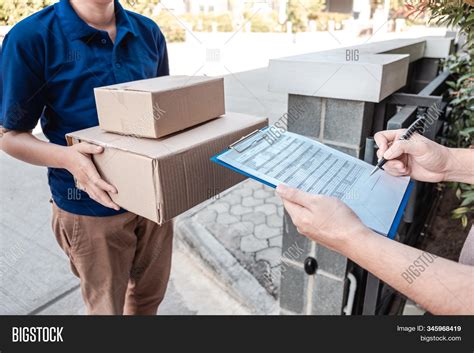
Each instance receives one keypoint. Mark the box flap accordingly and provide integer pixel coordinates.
(161, 84)
(163, 147)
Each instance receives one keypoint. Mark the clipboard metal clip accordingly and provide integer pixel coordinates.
(245, 143)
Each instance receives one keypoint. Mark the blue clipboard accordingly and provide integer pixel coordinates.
(396, 221)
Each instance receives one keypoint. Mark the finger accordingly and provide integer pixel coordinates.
(395, 164)
(381, 152)
(89, 148)
(101, 196)
(384, 138)
(294, 195)
(293, 209)
(95, 178)
(299, 215)
(394, 172)
(102, 184)
(395, 168)
(400, 147)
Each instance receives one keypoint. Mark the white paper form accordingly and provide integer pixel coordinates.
(306, 164)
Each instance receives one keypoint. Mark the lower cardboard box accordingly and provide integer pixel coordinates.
(160, 179)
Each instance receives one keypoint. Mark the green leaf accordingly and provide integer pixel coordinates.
(456, 216)
(461, 210)
(468, 130)
(468, 194)
(467, 201)
(451, 84)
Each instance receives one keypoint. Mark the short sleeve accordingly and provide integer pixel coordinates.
(23, 84)
(163, 65)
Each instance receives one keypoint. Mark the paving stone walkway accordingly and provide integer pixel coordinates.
(248, 221)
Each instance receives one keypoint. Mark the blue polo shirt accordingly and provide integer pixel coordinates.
(52, 61)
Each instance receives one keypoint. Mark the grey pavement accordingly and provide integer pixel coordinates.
(33, 270)
(238, 234)
(247, 221)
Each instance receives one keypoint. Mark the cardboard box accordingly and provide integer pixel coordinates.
(159, 179)
(159, 106)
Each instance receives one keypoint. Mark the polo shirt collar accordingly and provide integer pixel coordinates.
(75, 27)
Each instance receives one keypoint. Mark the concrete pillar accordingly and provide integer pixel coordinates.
(339, 123)
(344, 125)
(322, 293)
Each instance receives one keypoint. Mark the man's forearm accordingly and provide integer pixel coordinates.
(441, 286)
(26, 147)
(461, 165)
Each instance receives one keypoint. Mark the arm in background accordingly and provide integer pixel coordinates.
(441, 286)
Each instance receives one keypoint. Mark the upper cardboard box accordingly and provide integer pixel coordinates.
(159, 179)
(159, 106)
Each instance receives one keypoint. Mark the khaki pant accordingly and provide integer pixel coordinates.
(123, 262)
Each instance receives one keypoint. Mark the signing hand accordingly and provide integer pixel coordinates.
(79, 164)
(323, 219)
(418, 157)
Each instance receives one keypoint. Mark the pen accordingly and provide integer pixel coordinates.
(406, 136)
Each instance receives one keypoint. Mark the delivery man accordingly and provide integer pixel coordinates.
(52, 61)
(443, 286)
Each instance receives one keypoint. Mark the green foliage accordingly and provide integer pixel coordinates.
(323, 18)
(465, 193)
(297, 15)
(171, 27)
(301, 11)
(315, 8)
(143, 7)
(453, 13)
(204, 22)
(449, 13)
(13, 11)
(461, 100)
(262, 22)
(460, 131)
(224, 23)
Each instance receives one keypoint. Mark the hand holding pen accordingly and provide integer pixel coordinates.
(418, 157)
(412, 129)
